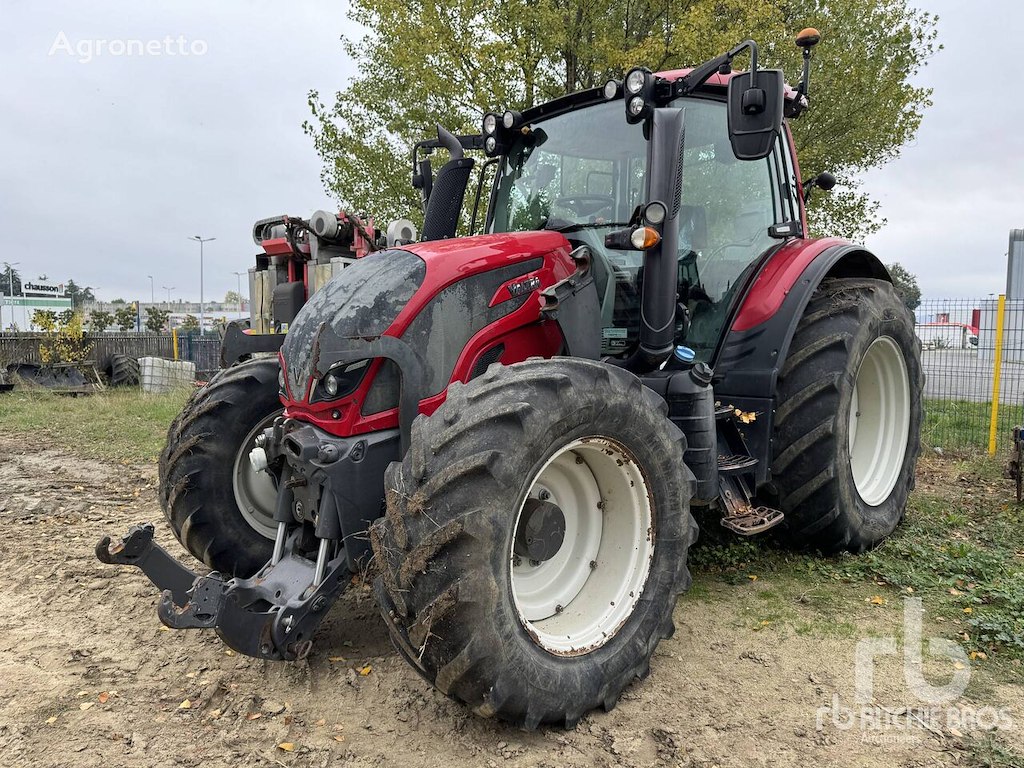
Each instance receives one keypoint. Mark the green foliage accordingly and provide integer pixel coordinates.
(906, 285)
(156, 319)
(100, 320)
(44, 318)
(190, 323)
(125, 317)
(78, 294)
(63, 338)
(233, 299)
(9, 277)
(426, 62)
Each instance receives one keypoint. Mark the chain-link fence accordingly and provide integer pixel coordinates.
(971, 359)
(103, 348)
(204, 351)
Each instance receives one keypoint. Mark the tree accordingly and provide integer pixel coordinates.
(156, 319)
(65, 316)
(190, 323)
(99, 320)
(906, 285)
(125, 317)
(77, 293)
(426, 62)
(9, 274)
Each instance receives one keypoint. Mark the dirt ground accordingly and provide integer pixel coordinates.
(88, 677)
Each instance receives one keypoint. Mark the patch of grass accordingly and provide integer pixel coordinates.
(961, 427)
(964, 558)
(120, 425)
(989, 751)
(960, 549)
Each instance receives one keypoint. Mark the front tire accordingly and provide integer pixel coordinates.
(535, 539)
(847, 426)
(221, 509)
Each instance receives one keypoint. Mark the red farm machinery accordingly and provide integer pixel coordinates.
(510, 430)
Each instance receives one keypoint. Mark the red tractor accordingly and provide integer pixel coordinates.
(510, 429)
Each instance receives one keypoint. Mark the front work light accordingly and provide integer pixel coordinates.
(511, 119)
(490, 123)
(636, 80)
(490, 145)
(611, 89)
(639, 85)
(655, 212)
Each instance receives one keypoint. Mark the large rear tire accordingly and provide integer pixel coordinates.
(536, 538)
(847, 426)
(221, 509)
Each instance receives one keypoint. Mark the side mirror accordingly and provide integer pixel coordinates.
(755, 112)
(823, 181)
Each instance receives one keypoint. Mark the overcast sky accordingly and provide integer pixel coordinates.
(109, 164)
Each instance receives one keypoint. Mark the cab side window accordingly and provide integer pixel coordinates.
(727, 208)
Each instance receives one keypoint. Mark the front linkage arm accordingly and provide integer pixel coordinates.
(272, 615)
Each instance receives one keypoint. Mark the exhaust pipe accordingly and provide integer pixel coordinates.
(660, 279)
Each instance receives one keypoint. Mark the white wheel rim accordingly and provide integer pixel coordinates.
(255, 492)
(879, 421)
(578, 599)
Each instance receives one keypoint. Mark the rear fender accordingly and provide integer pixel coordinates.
(756, 346)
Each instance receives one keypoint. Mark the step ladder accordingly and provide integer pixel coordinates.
(736, 468)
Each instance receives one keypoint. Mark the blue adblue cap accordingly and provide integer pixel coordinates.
(685, 354)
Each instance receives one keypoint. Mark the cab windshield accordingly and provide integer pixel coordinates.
(582, 167)
(584, 173)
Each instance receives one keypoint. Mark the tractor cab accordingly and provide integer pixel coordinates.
(707, 144)
(584, 171)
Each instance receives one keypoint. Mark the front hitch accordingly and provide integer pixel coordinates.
(271, 615)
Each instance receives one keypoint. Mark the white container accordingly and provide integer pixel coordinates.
(158, 376)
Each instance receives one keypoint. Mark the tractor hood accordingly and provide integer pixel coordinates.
(383, 294)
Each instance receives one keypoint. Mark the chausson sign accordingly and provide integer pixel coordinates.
(36, 288)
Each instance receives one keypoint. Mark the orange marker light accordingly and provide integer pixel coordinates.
(643, 238)
(808, 38)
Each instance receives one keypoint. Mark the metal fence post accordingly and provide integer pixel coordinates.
(174, 341)
(997, 366)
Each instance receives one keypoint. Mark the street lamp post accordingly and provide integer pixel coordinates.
(238, 275)
(201, 240)
(10, 284)
(171, 288)
(152, 290)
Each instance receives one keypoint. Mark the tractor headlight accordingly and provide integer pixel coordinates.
(636, 80)
(490, 123)
(611, 89)
(340, 381)
(490, 145)
(331, 385)
(636, 106)
(511, 119)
